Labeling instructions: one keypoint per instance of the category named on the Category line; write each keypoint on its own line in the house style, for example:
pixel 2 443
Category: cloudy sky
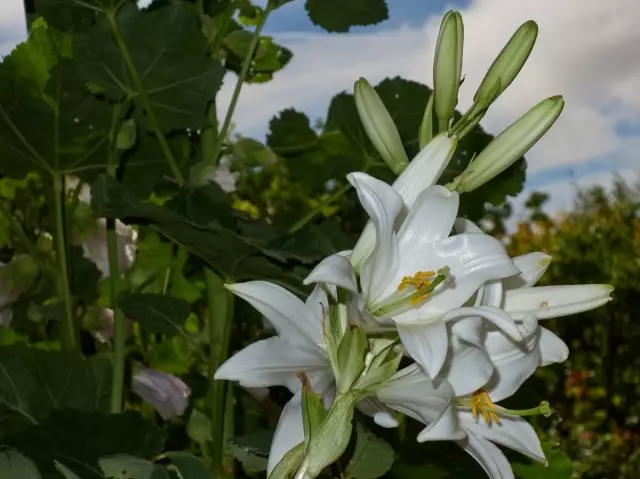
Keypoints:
pixel 586 51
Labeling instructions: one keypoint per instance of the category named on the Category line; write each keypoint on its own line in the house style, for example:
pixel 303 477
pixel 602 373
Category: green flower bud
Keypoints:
pixel 447 68
pixel 199 427
pixel 379 126
pixel 509 145
pixel 127 135
pixel 508 63
pixel 426 126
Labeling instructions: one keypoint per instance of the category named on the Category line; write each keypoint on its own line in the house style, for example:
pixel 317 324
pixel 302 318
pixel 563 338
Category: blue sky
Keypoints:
pixel 586 51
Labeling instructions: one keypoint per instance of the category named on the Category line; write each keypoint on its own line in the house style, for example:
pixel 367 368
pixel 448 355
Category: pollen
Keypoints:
pixel 482 405
pixel 419 280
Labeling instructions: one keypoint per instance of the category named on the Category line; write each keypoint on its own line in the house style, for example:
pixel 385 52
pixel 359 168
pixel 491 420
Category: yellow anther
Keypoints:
pixel 481 404
pixel 419 280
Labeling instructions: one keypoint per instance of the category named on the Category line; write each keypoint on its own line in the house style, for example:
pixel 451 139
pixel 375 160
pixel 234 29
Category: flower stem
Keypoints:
pixel 246 63
pixel 220 314
pixel 144 98
pixel 119 336
pixel 70 332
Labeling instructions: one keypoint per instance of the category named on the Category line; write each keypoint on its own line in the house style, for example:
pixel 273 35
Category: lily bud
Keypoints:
pixel 447 68
pixel 127 135
pixel 426 126
pixel 423 171
pixel 379 126
pixel 508 63
pixel 509 145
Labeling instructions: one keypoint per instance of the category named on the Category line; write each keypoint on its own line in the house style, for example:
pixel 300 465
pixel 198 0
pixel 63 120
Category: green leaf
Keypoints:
pixel 560 466
pixel 158 41
pixel 268 58
pixel 156 313
pixel 14 465
pixel 126 467
pixel 65 471
pixel 249 153
pixel 73 16
pixel 372 458
pixel 49 122
pixel 85 276
pixel 313 411
pixel 290 132
pixel 82 438
pixel 340 16
pixel 188 466
pixel 258 443
pixel 34 382
pixel 289 463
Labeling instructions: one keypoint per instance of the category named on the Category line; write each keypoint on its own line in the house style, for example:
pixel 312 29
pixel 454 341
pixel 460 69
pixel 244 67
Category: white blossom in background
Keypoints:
pixel 106 331
pixel 225 178
pixel 168 394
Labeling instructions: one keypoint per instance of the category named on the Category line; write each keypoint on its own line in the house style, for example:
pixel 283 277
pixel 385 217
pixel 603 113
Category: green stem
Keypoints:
pixel 119 336
pixel 70 336
pixel 220 313
pixel 144 98
pixel 318 209
pixel 241 77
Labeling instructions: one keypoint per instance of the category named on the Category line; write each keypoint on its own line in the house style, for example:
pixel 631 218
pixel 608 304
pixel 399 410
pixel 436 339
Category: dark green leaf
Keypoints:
pixel 189 466
pixel 258 443
pixel 14 465
pixel 49 122
pixel 156 313
pixel 85 276
pixel 123 466
pixel 372 457
pixel 81 439
pixel 170 55
pixel 340 15
pixel 249 153
pixel 289 132
pixel 35 382
pixel 73 16
pixel 268 58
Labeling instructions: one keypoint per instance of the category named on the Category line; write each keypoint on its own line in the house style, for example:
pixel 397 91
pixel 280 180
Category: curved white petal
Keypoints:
pixel 270 362
pixel 425 169
pixel 492 292
pixel 489 456
pixel 317 301
pixel 412 393
pixel 463 225
pixel 289 433
pixel 293 320
pixel 335 270
pixel 430 219
pixel 514 362
pixel 467 368
pixel 470 330
pixel 95 246
pixel 552 348
pixel 512 432
pixel 427 344
pixel 473 259
pixel 492 314
pixel 555 301
pixel 532 266
pixel 381 414
pixel 383 204
pixel 445 428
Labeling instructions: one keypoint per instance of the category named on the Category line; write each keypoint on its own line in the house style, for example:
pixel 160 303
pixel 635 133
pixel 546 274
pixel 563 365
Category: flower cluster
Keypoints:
pixel 427 316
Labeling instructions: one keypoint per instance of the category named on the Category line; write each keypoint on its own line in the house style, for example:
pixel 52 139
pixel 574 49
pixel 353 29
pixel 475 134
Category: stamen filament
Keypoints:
pixel 481 405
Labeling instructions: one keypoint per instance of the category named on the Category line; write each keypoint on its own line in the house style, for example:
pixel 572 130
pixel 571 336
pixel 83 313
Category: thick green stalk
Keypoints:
pixel 70 328
pixel 119 327
pixel 220 313
pixel 144 98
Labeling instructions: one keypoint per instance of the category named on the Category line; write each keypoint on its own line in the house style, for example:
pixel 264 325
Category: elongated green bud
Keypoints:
pixel 426 126
pixel 447 68
pixel 508 63
pixel 509 145
pixel 379 126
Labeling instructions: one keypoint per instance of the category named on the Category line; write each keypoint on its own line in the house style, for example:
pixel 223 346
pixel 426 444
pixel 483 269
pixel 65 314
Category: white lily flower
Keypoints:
pixel 277 361
pixel 423 171
pixel 418 277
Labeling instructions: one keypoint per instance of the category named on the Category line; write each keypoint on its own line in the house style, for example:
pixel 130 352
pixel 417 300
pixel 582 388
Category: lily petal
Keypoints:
pixel 555 301
pixel 383 204
pixel 412 393
pixel 512 432
pixel 463 225
pixel 427 344
pixel 270 362
pixel 334 270
pixel 552 348
pixel 289 433
pixel 492 314
pixel 381 414
pixel 532 266
pixel 467 368
pixel 489 456
pixel 292 319
pixel 430 219
pixel 473 259
pixel 425 169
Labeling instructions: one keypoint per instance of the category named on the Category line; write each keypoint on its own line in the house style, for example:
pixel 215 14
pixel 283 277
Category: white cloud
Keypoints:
pixel 586 51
